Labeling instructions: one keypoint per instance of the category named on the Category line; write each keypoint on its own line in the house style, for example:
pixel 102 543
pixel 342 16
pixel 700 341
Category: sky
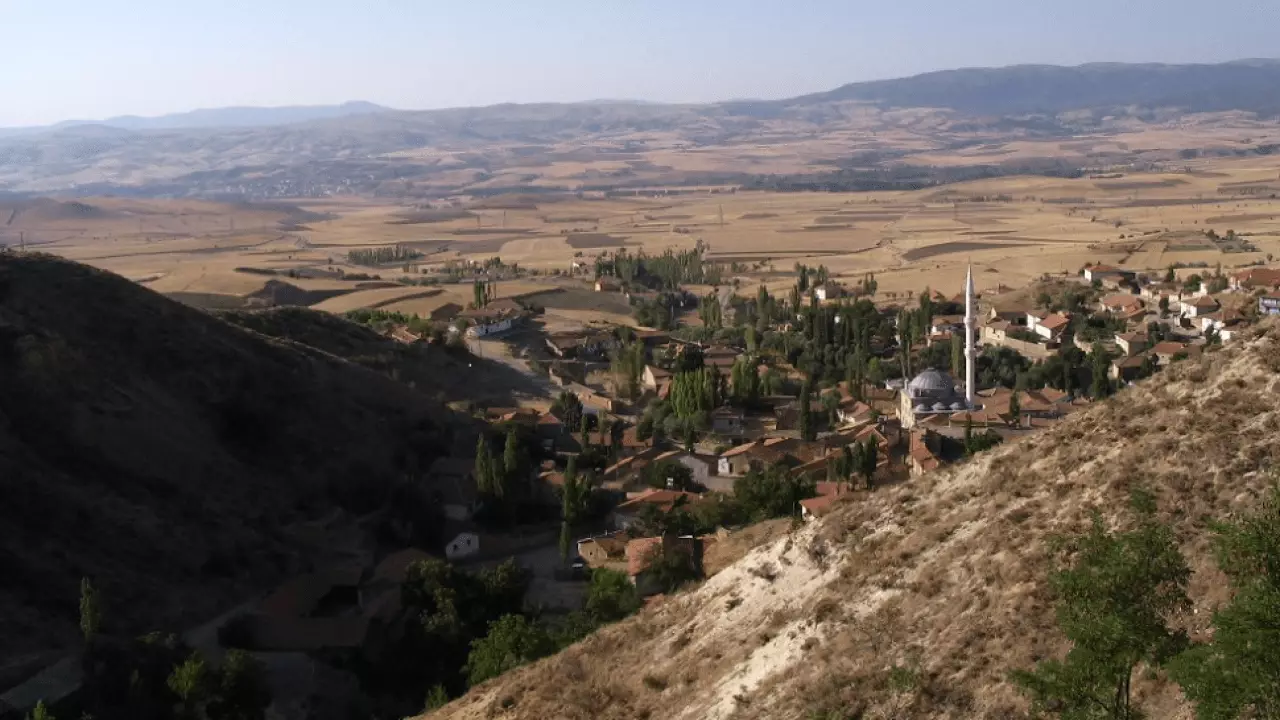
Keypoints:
pixel 92 59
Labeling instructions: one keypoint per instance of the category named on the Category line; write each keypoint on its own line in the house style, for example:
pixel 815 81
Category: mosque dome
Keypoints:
pixel 939 406
pixel 957 406
pixel 922 408
pixel 931 383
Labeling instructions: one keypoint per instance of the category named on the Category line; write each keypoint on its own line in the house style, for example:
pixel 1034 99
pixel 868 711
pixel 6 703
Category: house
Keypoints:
pixel 462 546
pixel 1224 322
pixel 1014 314
pixel 828 291
pixel 1201 305
pixel 607 285
pixel 402 335
pixel 727 421
pixel 701 468
pixel 1258 278
pixel 947 324
pixel 736 461
pixel 627 471
pixel 1269 304
pixel 827 495
pixel 593 403
pixel 626 514
pixel 451 485
pixel 1048 326
pixel 1167 351
pixel 816 507
pixel 527 417
pixel 309 612
pixel 1154 291
pixel 1121 303
pixel 642 552
pixel 1128 368
pixel 1131 343
pixel 580 345
pixel 653 377
pixel 852 411
pixel 923 460
pixel 720 357
pixel 606 551
pixel 549 428
pixel 1109 275
pixel 481 322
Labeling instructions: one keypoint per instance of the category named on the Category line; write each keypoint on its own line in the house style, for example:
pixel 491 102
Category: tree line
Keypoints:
pixel 374 257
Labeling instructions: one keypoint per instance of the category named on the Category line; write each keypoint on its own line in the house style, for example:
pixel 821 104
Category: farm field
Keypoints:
pixel 1012 229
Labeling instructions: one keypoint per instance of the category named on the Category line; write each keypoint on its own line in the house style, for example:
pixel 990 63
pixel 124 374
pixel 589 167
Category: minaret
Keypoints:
pixel 969 360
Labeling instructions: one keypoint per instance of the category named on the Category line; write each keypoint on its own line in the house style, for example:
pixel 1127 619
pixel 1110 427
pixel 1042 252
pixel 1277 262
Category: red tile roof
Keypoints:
pixel 1055 321
pixel 662 499
pixel 820 505
pixel 641 552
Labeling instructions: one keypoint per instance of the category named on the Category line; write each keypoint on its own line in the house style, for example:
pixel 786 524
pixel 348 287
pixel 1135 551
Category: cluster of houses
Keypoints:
pixel 916 425
pixel 1189 315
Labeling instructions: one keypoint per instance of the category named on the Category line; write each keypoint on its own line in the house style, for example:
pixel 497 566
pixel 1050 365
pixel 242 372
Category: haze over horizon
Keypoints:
pixel 89 61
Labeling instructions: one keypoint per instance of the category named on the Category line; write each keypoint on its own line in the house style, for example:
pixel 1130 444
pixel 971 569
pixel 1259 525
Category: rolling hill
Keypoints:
pixel 917 600
pixel 166 453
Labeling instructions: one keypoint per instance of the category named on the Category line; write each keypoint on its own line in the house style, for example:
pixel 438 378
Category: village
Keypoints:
pixel 810 400
pixel 649 455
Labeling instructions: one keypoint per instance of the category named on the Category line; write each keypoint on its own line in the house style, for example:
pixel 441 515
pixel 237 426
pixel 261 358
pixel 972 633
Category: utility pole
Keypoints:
pixel 722 215
pixel 22 241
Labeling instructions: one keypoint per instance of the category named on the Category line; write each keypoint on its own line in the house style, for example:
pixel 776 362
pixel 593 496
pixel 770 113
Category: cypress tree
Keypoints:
pixel 511 455
pixel 806 421
pixel 483 471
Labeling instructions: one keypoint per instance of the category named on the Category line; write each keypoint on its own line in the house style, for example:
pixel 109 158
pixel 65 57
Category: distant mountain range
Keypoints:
pixel 353 147
pixel 227 117
pixel 1252 85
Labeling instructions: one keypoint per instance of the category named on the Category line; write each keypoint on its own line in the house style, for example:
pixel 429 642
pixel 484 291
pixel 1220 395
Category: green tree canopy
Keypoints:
pixel 1115 597
pixel 511 642
pixel 1237 673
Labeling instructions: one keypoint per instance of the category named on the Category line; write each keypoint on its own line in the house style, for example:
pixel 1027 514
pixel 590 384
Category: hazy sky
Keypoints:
pixel 90 59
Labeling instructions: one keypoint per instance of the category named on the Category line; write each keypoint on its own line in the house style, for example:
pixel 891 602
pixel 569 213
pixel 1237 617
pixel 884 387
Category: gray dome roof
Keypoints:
pixel 939 406
pixel 922 408
pixel 932 381
pixel 957 405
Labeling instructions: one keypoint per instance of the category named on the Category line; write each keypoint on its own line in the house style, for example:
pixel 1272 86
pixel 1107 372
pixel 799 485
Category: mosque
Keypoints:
pixel 933 392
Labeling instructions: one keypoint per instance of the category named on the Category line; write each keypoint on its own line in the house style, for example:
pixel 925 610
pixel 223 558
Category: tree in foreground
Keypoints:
pixel 1237 673
pixel 40 712
pixel 90 610
pixel 611 596
pixel 1114 602
pixel 512 641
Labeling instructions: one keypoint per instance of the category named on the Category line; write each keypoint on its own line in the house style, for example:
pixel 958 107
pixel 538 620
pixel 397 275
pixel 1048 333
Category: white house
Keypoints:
pixel 1202 305
pixel 484 321
pixel 653 376
pixel 828 291
pixel 1048 326
pixel 464 545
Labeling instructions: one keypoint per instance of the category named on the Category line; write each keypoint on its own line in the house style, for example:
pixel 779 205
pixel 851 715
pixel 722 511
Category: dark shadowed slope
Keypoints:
pixel 163 452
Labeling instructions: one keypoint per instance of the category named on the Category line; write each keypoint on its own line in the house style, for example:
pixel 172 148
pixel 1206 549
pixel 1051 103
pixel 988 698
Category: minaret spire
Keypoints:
pixel 970 361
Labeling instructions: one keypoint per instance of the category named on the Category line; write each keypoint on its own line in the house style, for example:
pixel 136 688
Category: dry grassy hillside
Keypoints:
pixel 917 600
pixel 165 452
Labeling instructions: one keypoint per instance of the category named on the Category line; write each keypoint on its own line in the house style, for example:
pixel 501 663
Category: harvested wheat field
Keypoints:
pixel 942 578
pixel 1013 230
